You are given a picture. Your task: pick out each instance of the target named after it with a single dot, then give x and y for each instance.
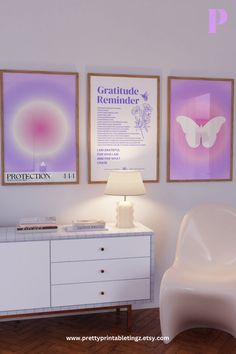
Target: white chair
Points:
(199, 290)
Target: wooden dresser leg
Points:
(129, 317)
(117, 311)
(117, 315)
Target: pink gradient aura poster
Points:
(200, 124)
(39, 122)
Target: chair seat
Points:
(201, 275)
(199, 289)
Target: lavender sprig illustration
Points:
(142, 116)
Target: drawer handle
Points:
(102, 293)
(102, 270)
(102, 249)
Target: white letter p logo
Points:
(216, 17)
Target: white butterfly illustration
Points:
(195, 134)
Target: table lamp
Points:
(125, 183)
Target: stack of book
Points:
(88, 225)
(37, 224)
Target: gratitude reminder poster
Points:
(123, 125)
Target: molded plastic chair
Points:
(199, 290)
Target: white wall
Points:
(165, 37)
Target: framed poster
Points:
(123, 125)
(200, 129)
(39, 117)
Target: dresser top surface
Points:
(10, 234)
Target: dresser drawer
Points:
(102, 270)
(100, 248)
(100, 292)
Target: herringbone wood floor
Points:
(47, 336)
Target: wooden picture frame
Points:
(123, 125)
(40, 123)
(200, 129)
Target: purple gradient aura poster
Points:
(200, 139)
(39, 122)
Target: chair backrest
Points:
(207, 237)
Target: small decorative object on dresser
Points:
(54, 272)
(125, 182)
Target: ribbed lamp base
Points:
(124, 214)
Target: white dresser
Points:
(72, 271)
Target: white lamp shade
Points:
(125, 182)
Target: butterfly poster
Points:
(200, 129)
(39, 117)
(123, 125)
